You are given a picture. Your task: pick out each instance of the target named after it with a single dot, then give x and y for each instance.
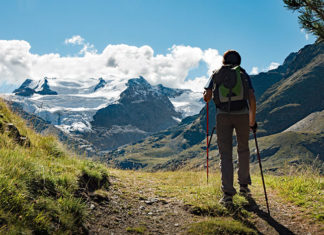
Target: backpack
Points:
(230, 88)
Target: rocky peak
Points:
(138, 89)
(101, 84)
(31, 87)
(26, 83)
(44, 89)
(140, 105)
(139, 84)
(297, 60)
(25, 88)
(169, 92)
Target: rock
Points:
(16, 136)
(99, 198)
(150, 201)
(101, 84)
(164, 202)
(13, 131)
(92, 206)
(24, 141)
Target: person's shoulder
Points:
(244, 71)
(220, 71)
(216, 71)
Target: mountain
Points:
(312, 123)
(299, 92)
(30, 87)
(286, 96)
(163, 151)
(141, 106)
(106, 113)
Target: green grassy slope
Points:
(39, 184)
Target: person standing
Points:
(236, 108)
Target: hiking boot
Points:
(226, 200)
(244, 190)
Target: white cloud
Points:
(122, 61)
(272, 66)
(78, 40)
(306, 34)
(195, 85)
(254, 71)
(213, 59)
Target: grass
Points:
(303, 187)
(201, 199)
(39, 189)
(219, 226)
(39, 184)
(138, 230)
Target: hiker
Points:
(233, 94)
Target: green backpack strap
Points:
(237, 88)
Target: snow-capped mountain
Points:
(112, 106)
(30, 87)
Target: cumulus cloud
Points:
(254, 71)
(213, 60)
(120, 61)
(78, 40)
(273, 65)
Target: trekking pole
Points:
(207, 140)
(264, 187)
(211, 136)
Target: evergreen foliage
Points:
(311, 15)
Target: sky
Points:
(174, 42)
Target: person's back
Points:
(234, 111)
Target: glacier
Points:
(71, 104)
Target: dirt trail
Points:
(128, 209)
(138, 211)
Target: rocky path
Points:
(129, 208)
(139, 211)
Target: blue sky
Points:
(262, 31)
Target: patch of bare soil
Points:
(125, 211)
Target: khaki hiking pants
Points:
(225, 124)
